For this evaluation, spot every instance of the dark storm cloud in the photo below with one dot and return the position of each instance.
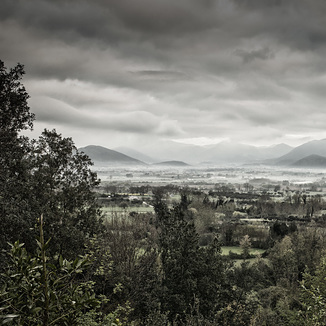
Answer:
(58, 18)
(297, 23)
(183, 68)
(118, 21)
(163, 31)
(165, 17)
(260, 54)
(109, 21)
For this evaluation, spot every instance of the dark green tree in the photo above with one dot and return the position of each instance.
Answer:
(47, 176)
(192, 276)
(15, 115)
(14, 151)
(313, 295)
(134, 267)
(56, 182)
(61, 189)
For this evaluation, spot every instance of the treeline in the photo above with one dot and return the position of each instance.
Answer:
(62, 263)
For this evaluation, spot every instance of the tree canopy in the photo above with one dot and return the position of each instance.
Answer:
(45, 176)
(15, 113)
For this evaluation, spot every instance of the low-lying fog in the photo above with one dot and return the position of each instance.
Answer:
(212, 174)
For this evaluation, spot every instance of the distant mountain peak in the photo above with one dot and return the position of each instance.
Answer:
(100, 154)
(313, 160)
(313, 147)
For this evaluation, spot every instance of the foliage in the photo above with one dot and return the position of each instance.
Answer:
(57, 182)
(191, 275)
(14, 167)
(283, 260)
(278, 230)
(245, 244)
(36, 292)
(277, 306)
(131, 243)
(119, 317)
(313, 295)
(61, 188)
(14, 110)
(46, 176)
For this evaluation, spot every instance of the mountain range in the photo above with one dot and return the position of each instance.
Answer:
(311, 154)
(221, 153)
(315, 147)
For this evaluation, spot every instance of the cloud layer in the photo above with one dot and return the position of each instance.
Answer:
(123, 72)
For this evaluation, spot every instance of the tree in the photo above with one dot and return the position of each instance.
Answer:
(56, 182)
(14, 149)
(245, 244)
(192, 276)
(284, 264)
(278, 231)
(313, 295)
(14, 110)
(46, 176)
(62, 186)
(132, 247)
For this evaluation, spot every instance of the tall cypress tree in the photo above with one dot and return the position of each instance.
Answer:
(193, 277)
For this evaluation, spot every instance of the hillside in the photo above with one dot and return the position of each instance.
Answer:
(172, 163)
(315, 147)
(274, 151)
(100, 154)
(314, 161)
(136, 154)
(230, 152)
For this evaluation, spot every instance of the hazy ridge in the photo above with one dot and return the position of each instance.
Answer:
(102, 154)
(311, 161)
(312, 154)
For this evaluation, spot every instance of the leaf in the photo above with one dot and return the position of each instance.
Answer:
(9, 318)
(79, 263)
(36, 310)
(39, 244)
(74, 264)
(46, 245)
(61, 261)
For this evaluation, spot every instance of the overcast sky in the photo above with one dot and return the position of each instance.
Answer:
(125, 72)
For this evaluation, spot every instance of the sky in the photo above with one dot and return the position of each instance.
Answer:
(141, 72)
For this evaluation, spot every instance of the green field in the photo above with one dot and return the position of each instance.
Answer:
(117, 210)
(238, 250)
